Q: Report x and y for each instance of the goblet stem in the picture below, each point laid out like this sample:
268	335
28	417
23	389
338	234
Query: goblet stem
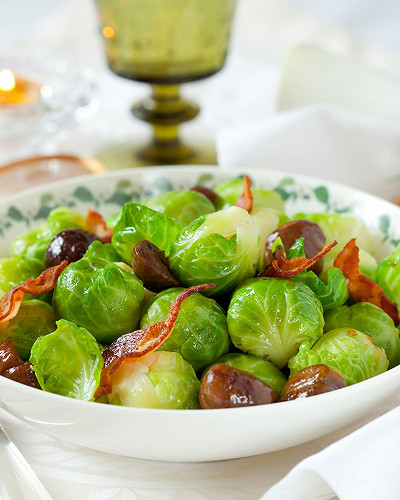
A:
165	110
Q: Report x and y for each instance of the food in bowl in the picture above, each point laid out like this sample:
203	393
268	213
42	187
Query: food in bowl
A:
210	298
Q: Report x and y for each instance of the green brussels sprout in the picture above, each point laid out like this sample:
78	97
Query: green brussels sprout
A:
388	275
113	219
159	380
68	361
16	270
180	204
99	296
35	318
34	243
333	293
259	367
224	248
232	190
138	223
200	333
271	317
342	228
105	251
350	352
371	320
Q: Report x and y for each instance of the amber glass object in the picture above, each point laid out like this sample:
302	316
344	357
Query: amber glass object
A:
165	43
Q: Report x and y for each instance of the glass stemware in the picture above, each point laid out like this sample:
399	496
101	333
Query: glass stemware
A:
165	43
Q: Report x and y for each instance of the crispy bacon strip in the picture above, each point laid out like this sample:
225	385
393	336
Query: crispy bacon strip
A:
141	342
359	286
97	225
246	199
11	301
282	267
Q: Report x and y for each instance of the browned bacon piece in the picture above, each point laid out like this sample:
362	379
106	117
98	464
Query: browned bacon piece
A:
141	342
97	225
281	267
11	301
246	199
359	286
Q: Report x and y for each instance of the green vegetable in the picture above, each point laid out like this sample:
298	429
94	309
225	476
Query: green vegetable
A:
232	190
272	317
372	321
68	362
99	296
183	205
200	333
260	368
138	223
159	380
16	270
388	275
35	318
100	250
224	248
346	350
34	243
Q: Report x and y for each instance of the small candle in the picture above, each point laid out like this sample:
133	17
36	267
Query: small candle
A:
15	91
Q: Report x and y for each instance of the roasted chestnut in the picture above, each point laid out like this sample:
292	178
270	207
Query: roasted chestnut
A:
70	245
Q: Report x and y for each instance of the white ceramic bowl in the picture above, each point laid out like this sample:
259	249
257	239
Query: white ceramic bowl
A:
194	435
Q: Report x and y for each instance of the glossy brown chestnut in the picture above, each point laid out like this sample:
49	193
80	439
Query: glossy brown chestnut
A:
70	245
152	267
314	239
311	381
226	387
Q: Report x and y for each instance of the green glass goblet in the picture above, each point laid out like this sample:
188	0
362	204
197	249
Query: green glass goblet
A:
165	43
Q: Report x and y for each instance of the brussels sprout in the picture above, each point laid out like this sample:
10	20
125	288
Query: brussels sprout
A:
16	270
388	275
34	243
99	296
138	223
183	205
346	350
260	368
271	317
224	248
232	190
372	321
200	333
159	380
34	319
68	361
105	251
113	219
342	228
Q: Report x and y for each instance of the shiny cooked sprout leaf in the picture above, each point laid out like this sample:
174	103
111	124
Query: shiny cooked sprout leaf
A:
99	296
35	318
388	275
159	380
370	320
272	317
346	350
261	368
138	223
182	205
342	228
200	333
34	243
105	251
16	270
68	361
225	248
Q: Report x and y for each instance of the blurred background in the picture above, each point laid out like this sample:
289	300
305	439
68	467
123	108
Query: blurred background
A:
374	22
